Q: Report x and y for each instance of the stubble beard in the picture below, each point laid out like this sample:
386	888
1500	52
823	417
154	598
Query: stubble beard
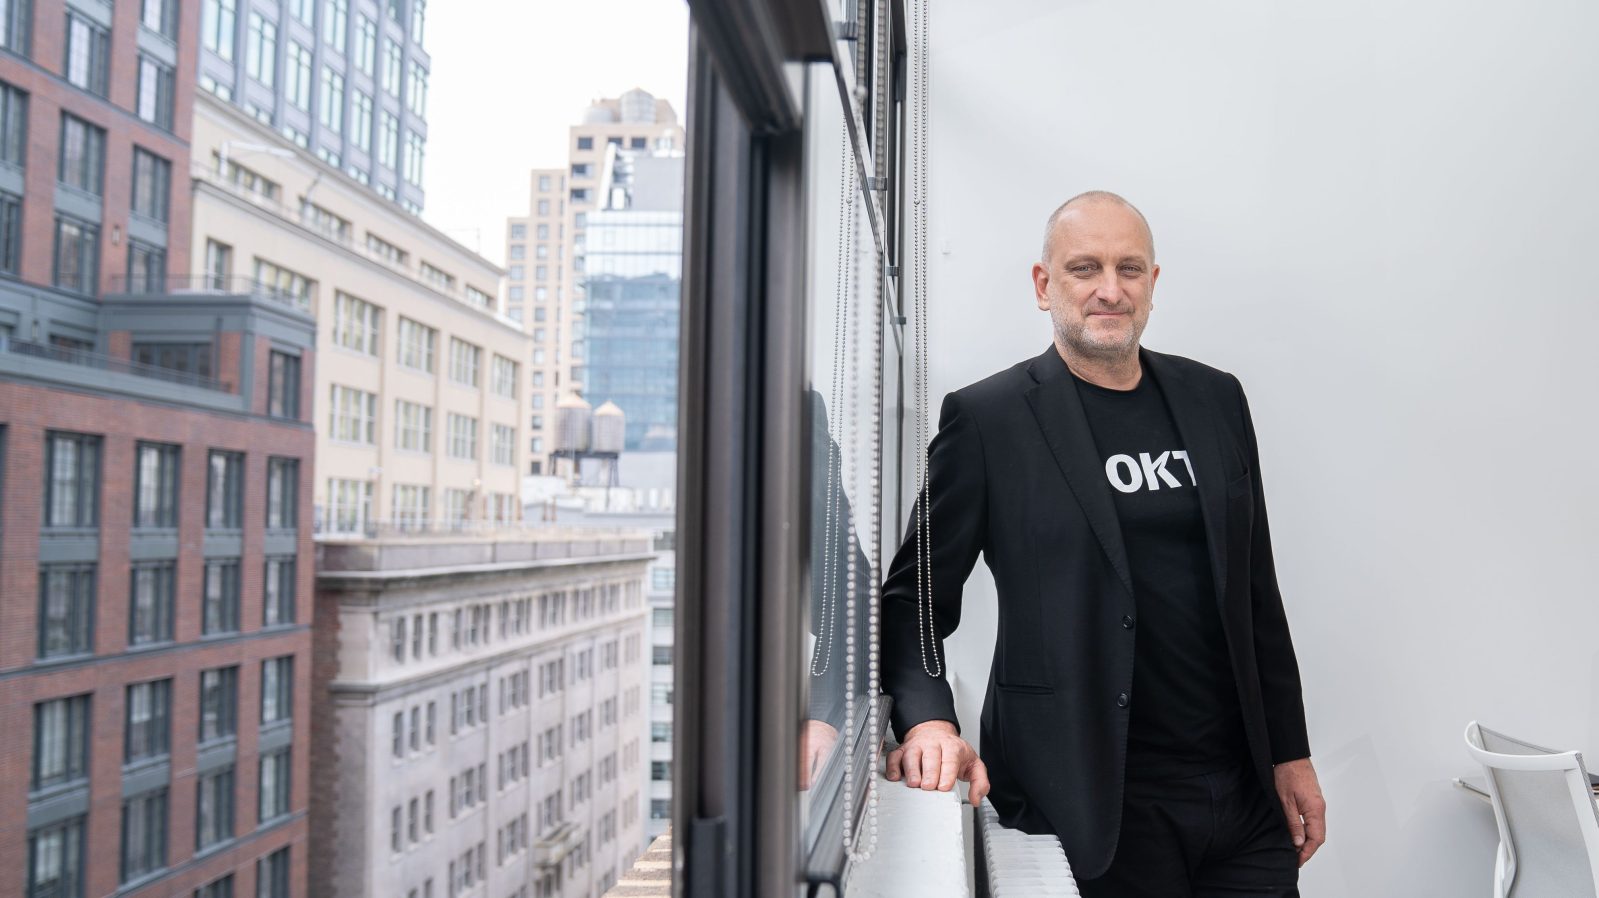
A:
1084	343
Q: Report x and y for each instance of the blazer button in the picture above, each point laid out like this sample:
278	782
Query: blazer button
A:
1127	621
1121	700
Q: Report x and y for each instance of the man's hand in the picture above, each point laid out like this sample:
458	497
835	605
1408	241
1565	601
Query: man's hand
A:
933	756
1301	797
816	743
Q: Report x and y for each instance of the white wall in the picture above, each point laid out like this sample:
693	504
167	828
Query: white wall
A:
1377	215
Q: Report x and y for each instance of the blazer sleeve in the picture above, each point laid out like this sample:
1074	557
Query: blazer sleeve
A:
1274	648
913	645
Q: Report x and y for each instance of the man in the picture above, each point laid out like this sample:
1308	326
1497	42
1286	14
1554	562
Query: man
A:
1144	701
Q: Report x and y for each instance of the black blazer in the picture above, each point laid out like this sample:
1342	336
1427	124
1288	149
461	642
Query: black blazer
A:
1013	474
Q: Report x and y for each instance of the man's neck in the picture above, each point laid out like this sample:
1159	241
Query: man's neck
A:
1117	373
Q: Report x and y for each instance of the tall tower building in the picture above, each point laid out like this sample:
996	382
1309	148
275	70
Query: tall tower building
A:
634	121
345	80
157	447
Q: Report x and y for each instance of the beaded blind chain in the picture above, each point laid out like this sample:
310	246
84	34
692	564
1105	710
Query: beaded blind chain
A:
926	632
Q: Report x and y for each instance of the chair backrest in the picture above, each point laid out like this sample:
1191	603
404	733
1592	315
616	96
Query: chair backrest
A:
1548	826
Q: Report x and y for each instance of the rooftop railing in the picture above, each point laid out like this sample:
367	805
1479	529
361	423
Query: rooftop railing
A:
211	285
73	356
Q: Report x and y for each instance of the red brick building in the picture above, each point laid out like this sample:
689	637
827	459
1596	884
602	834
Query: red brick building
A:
156	559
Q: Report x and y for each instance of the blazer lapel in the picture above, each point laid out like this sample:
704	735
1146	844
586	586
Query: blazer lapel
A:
1059	411
1197	426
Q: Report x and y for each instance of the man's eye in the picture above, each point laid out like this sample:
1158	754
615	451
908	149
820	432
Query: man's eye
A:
1132	269
1082	269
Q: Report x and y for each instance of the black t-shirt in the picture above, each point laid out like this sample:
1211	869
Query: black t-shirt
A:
1185	716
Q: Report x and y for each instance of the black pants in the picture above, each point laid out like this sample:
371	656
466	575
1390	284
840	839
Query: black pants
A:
1215	835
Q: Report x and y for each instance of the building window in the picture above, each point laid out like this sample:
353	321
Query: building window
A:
219	703
66	610
155	486
413	158
335	22
418	99
16	25
147	268
144	835
386	251
297	76
13	123
353	416
304	11
148	731
283	493
150	603
216	27
418	19
366	37
544	207
152	184
417	345
10	232
463	437
60	742
274	785
217	888
332	100
224	491
218	265
278	593
355	324
391	68
160	16
272	875
261	57
457	511
465	359
504	376
55	860
88	52
283	386
349	505
504	448
214	809
277	689
413	426
283	283
220	613
77	256
411	512
155	96
585	143
389	141
361	107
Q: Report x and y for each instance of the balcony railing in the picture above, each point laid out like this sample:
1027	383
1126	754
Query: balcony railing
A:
108	363
210	285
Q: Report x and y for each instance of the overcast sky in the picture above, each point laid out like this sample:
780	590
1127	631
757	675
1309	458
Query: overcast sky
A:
509	77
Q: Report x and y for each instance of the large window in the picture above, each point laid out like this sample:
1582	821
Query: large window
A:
389	141
13	123
411	511
361	121
216	26
277	689
504	445
82	154
335	22
214	808
463	436
10	232
60	742
160	16
391	68
55	860
418	343
155	486
72	480
66	610
283	493
297	76
465	360
147	267
156	92
418	94
283	386
274	785
503	381
224	504
272	875
77	255
16	25
148	731
413	158
261	58
332	99
277	600
413	426
88	54
150	603
219	703
366	37
144	835
152	184
355	324
349	505
353	415
219	611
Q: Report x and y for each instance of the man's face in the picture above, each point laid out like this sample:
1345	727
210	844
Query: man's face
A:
1099	283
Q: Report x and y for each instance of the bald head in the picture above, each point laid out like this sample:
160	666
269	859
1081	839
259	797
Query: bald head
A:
1087	198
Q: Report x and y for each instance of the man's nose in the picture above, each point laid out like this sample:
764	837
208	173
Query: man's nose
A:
1108	288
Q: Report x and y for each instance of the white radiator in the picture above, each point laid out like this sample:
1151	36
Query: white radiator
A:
1019	865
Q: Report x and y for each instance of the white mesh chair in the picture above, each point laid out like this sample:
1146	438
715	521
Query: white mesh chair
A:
1548	827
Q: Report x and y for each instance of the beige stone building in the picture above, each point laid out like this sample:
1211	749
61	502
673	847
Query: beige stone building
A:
422	383
545	248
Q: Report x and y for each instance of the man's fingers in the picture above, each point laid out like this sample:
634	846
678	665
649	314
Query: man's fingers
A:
977	774
948	771
931	762
891	768
1296	827
912	761
1315	829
